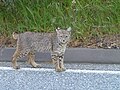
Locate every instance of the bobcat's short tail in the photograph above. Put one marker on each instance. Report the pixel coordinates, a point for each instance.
(15, 35)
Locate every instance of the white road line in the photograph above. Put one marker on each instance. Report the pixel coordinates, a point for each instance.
(68, 70)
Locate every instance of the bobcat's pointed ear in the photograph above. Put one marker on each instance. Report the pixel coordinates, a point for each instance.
(69, 29)
(57, 30)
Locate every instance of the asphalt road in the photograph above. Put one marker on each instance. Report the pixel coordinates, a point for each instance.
(77, 77)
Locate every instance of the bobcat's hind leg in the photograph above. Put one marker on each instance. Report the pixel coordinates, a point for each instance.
(31, 60)
(15, 57)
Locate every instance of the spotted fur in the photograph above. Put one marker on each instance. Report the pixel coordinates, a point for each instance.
(30, 42)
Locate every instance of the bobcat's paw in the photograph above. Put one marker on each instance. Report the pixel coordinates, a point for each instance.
(58, 70)
(53, 62)
(16, 67)
(63, 69)
(37, 66)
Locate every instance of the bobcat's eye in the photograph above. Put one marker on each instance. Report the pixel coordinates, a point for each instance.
(66, 36)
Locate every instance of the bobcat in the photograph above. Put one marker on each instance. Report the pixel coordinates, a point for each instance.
(30, 42)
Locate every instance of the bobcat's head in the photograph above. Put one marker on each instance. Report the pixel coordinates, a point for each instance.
(63, 35)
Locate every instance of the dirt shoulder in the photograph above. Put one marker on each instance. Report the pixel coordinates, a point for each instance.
(106, 42)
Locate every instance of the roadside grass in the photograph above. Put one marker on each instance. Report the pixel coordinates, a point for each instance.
(86, 17)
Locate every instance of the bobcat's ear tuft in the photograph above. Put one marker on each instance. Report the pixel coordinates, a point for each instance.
(58, 28)
(69, 29)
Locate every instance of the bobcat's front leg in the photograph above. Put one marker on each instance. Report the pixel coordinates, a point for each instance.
(58, 61)
(55, 61)
(57, 65)
(61, 62)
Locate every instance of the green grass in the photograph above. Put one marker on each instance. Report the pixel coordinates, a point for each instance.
(86, 17)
